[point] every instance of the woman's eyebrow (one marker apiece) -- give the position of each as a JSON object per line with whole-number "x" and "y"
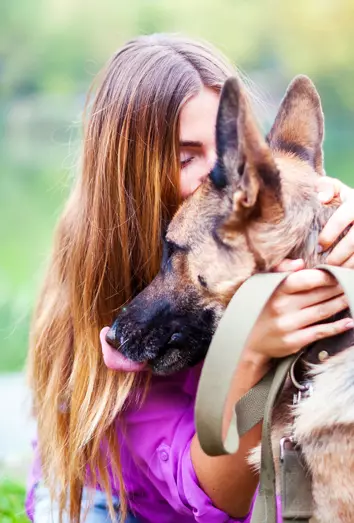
{"x": 190, "y": 143}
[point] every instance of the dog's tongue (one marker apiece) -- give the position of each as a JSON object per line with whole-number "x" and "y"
{"x": 114, "y": 359}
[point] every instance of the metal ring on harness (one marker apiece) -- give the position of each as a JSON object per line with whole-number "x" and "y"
{"x": 298, "y": 385}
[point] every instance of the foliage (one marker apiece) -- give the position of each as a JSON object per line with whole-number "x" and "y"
{"x": 12, "y": 496}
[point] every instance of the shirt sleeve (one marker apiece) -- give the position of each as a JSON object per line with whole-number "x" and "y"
{"x": 173, "y": 464}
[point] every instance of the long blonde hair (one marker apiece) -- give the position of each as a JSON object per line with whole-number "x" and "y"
{"x": 106, "y": 249}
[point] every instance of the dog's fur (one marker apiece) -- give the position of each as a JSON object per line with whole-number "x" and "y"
{"x": 258, "y": 206}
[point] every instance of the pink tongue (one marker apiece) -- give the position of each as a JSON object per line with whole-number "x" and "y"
{"x": 114, "y": 359}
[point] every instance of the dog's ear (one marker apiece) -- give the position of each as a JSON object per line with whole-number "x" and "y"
{"x": 299, "y": 125}
{"x": 245, "y": 164}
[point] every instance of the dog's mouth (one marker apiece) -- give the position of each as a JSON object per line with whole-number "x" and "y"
{"x": 115, "y": 360}
{"x": 164, "y": 339}
{"x": 170, "y": 361}
{"x": 176, "y": 355}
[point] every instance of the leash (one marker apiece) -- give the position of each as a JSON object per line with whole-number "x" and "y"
{"x": 218, "y": 370}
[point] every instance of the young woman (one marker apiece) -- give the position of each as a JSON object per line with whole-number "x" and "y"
{"x": 148, "y": 144}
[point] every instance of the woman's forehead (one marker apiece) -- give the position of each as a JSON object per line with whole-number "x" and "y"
{"x": 198, "y": 117}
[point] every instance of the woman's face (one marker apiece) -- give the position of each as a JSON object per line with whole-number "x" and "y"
{"x": 197, "y": 139}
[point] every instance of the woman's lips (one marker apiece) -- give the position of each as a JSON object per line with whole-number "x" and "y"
{"x": 115, "y": 360}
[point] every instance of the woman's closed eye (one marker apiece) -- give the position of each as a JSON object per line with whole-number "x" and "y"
{"x": 186, "y": 162}
{"x": 186, "y": 159}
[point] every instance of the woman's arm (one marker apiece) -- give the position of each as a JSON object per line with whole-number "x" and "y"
{"x": 228, "y": 480}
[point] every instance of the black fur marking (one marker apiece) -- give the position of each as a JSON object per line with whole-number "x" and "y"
{"x": 226, "y": 122}
{"x": 270, "y": 177}
{"x": 241, "y": 168}
{"x": 202, "y": 281}
{"x": 226, "y": 136}
{"x": 218, "y": 176}
{"x": 291, "y": 147}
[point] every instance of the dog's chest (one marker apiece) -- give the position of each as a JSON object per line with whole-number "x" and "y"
{"x": 324, "y": 427}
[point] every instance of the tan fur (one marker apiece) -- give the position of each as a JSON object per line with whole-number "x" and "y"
{"x": 261, "y": 228}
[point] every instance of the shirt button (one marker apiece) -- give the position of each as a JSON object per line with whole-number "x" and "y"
{"x": 164, "y": 455}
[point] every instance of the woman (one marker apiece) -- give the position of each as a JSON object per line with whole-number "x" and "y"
{"x": 149, "y": 142}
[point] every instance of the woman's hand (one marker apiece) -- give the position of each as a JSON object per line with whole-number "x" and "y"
{"x": 343, "y": 253}
{"x": 286, "y": 323}
{"x": 306, "y": 297}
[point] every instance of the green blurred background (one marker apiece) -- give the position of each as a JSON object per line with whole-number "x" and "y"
{"x": 50, "y": 51}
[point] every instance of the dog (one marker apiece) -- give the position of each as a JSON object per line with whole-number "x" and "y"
{"x": 258, "y": 206}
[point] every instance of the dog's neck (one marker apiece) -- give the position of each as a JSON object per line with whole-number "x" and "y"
{"x": 295, "y": 236}
{"x": 309, "y": 249}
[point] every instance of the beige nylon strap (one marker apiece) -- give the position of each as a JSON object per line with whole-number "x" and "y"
{"x": 345, "y": 278}
{"x": 223, "y": 356}
{"x": 250, "y": 407}
{"x": 222, "y": 360}
{"x": 265, "y": 506}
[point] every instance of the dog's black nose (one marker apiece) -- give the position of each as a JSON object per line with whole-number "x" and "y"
{"x": 177, "y": 339}
{"x": 112, "y": 338}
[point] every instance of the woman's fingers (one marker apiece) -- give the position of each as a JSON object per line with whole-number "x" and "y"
{"x": 286, "y": 303}
{"x": 337, "y": 223}
{"x": 343, "y": 251}
{"x": 349, "y": 264}
{"x": 306, "y": 280}
{"x": 290, "y": 265}
{"x": 314, "y": 314}
{"x": 328, "y": 188}
{"x": 300, "y": 338}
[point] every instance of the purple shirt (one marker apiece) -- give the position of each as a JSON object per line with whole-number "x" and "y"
{"x": 161, "y": 483}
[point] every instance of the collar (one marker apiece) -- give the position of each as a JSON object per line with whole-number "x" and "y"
{"x": 322, "y": 350}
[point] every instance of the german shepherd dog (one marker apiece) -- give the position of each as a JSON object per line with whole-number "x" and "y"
{"x": 258, "y": 206}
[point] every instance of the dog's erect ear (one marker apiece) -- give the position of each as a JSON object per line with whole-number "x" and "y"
{"x": 298, "y": 127}
{"x": 245, "y": 163}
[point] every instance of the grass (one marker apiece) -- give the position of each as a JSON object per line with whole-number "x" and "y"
{"x": 12, "y": 502}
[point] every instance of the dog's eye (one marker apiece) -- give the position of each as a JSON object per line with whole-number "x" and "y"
{"x": 219, "y": 241}
{"x": 169, "y": 248}
{"x": 202, "y": 282}
{"x": 167, "y": 252}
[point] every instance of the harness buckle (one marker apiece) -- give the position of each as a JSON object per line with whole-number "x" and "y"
{"x": 286, "y": 443}
{"x": 305, "y": 392}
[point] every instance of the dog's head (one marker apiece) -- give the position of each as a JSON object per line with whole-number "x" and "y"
{"x": 257, "y": 207}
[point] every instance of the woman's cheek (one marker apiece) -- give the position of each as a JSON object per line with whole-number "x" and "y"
{"x": 192, "y": 176}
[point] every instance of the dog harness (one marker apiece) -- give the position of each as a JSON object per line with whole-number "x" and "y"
{"x": 221, "y": 362}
